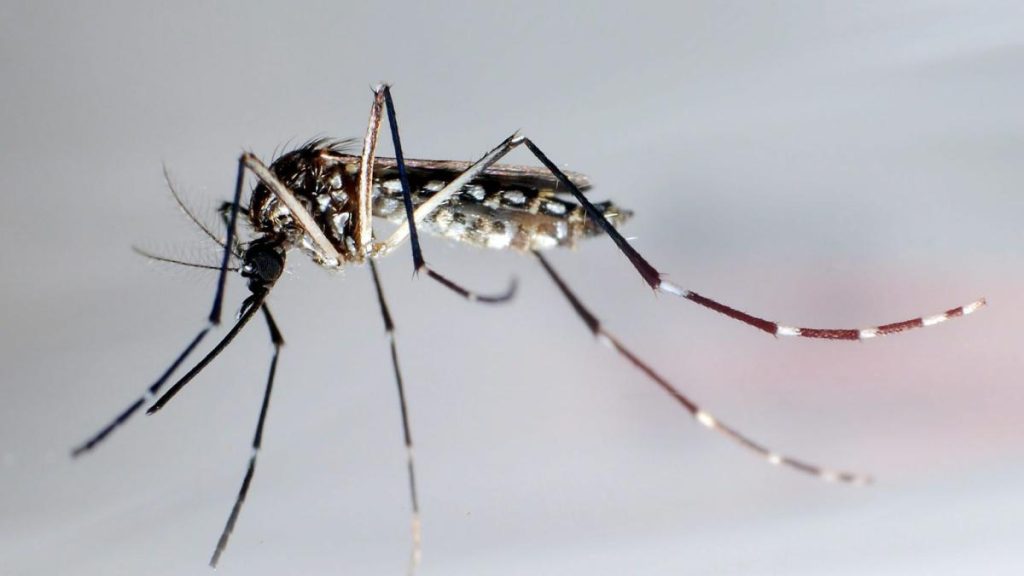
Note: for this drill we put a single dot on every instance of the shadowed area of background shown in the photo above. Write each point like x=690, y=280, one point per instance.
x=819, y=165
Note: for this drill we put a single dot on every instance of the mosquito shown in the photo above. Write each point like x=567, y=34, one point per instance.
x=321, y=199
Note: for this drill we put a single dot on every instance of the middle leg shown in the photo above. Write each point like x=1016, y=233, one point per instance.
x=389, y=327
x=414, y=217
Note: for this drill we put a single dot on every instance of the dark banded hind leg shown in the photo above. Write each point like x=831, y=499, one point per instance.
x=698, y=413
x=653, y=278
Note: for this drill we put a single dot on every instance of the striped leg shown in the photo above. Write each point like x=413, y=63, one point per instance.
x=825, y=333
x=148, y=396
x=262, y=277
x=257, y=441
x=655, y=281
x=389, y=327
x=213, y=319
x=698, y=413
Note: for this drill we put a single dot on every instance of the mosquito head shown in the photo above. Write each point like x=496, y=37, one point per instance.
x=262, y=264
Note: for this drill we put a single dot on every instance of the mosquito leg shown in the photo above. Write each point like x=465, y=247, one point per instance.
x=413, y=219
x=135, y=406
x=155, y=387
x=362, y=224
x=225, y=212
x=263, y=263
x=229, y=240
x=403, y=176
x=704, y=418
x=278, y=341
x=250, y=307
x=212, y=320
x=389, y=327
x=655, y=281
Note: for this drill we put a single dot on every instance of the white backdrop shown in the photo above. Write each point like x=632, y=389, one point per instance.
x=823, y=165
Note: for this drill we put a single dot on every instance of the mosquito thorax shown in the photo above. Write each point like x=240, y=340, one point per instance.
x=314, y=174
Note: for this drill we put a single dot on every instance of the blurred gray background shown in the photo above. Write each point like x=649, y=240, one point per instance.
x=822, y=164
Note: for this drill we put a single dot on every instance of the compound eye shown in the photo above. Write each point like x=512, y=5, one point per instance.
x=263, y=266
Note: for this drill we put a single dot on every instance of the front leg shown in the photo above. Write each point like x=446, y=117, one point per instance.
x=363, y=218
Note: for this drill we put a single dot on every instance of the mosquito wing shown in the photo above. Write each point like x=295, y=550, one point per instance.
x=535, y=177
